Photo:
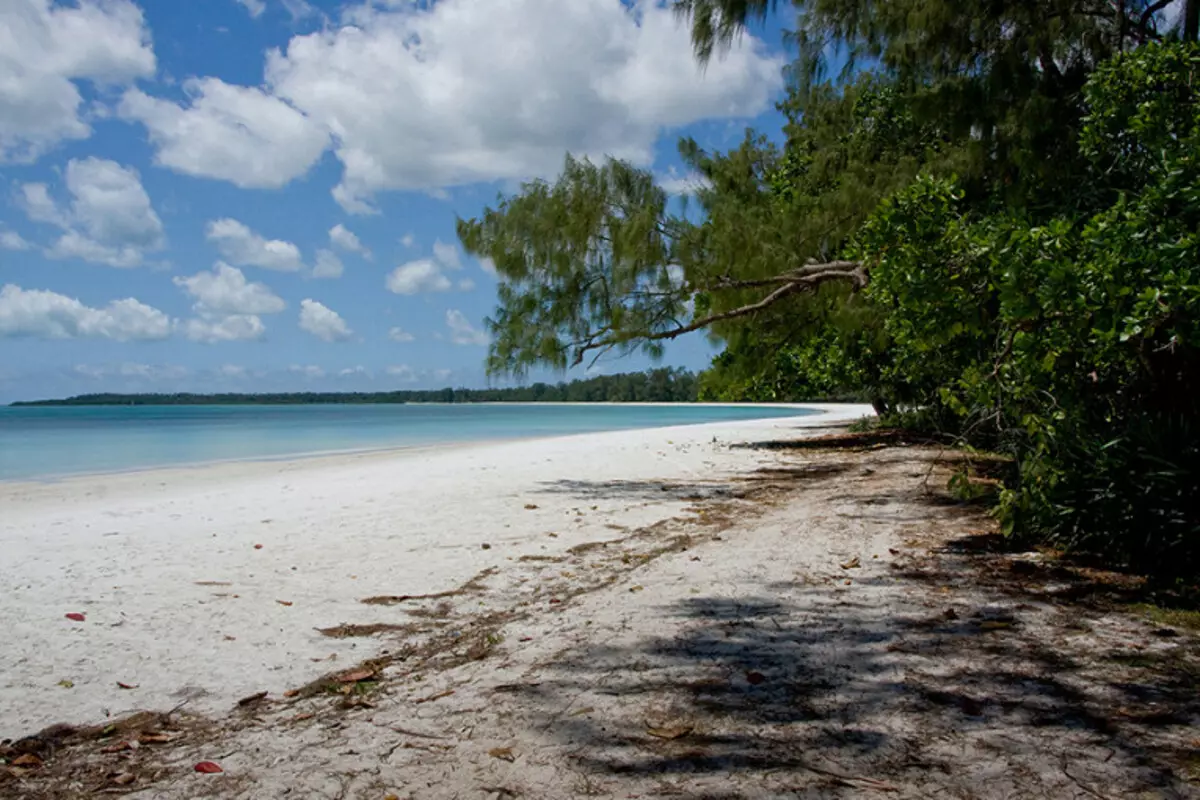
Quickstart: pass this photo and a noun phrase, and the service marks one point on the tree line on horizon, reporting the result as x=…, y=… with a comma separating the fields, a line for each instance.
x=663, y=385
x=983, y=216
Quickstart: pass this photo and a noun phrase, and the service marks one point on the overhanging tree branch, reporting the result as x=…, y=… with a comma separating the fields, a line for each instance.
x=803, y=279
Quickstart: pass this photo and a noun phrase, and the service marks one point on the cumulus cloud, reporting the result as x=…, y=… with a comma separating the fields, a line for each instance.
x=328, y=265
x=323, y=322
x=11, y=240
x=109, y=219
x=344, y=239
x=233, y=328
x=422, y=275
x=234, y=133
x=241, y=246
x=417, y=96
x=254, y=8
x=408, y=240
x=225, y=290
x=447, y=255
x=46, y=49
x=308, y=371
x=488, y=266
x=428, y=274
x=150, y=372
x=461, y=330
x=400, y=335
x=49, y=315
x=402, y=372
x=675, y=184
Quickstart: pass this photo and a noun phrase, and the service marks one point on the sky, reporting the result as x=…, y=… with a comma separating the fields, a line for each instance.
x=260, y=195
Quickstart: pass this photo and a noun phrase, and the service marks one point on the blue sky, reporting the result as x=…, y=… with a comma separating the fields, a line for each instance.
x=260, y=195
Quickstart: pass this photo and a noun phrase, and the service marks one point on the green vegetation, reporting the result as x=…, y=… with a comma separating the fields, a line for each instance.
x=988, y=225
x=653, y=386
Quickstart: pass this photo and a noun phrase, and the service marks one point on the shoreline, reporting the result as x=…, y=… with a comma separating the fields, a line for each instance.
x=817, y=409
x=210, y=583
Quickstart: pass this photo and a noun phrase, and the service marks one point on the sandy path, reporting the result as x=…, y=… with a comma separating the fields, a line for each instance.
x=208, y=584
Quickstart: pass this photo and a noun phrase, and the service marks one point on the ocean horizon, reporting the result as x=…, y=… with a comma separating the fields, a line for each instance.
x=58, y=441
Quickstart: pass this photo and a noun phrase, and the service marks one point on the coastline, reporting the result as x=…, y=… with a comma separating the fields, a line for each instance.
x=209, y=583
x=390, y=449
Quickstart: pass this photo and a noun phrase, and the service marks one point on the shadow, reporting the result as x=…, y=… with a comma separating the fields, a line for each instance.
x=792, y=687
x=642, y=490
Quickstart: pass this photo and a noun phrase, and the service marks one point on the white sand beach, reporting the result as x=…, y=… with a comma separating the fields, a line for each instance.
x=208, y=584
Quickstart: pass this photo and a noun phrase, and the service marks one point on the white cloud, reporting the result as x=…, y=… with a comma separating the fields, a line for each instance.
x=45, y=48
x=133, y=370
x=300, y=9
x=341, y=237
x=109, y=219
x=675, y=184
x=403, y=372
x=49, y=315
x=423, y=96
x=328, y=265
x=422, y=275
x=488, y=266
x=245, y=248
x=447, y=255
x=400, y=335
x=355, y=372
x=225, y=290
x=323, y=322
x=239, y=134
x=11, y=240
x=408, y=240
x=233, y=328
x=461, y=330
x=428, y=275
x=308, y=371
x=254, y=8
x=232, y=371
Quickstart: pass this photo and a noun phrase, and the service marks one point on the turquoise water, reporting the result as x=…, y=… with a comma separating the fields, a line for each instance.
x=50, y=441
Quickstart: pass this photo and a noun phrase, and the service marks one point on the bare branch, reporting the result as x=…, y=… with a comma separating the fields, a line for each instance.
x=806, y=278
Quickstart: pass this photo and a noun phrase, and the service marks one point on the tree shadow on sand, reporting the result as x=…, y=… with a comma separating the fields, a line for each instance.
x=953, y=687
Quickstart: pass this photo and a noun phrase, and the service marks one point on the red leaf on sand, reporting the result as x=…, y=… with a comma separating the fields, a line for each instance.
x=126, y=685
x=76, y=616
x=208, y=768
x=258, y=547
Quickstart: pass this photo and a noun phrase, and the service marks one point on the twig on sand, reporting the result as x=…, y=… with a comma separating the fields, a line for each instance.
x=852, y=781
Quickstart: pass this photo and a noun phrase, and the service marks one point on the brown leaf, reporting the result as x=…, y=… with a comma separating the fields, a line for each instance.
x=119, y=747
x=853, y=563
x=27, y=760
x=284, y=602
x=530, y=506
x=252, y=699
x=670, y=731
x=208, y=768
x=582, y=711
x=356, y=676
x=292, y=693
x=124, y=778
x=755, y=678
x=994, y=624
x=502, y=753
x=126, y=685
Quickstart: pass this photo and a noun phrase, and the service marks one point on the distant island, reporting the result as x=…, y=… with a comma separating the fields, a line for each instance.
x=665, y=385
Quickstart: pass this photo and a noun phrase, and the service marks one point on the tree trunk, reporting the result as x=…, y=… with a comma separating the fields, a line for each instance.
x=1191, y=20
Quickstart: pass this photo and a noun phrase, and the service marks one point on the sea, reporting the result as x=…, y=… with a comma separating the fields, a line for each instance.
x=54, y=441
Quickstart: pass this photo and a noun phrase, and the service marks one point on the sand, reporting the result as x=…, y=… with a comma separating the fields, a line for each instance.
x=675, y=618
x=208, y=584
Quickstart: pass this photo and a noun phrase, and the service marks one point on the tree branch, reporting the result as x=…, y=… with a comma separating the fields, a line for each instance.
x=806, y=278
